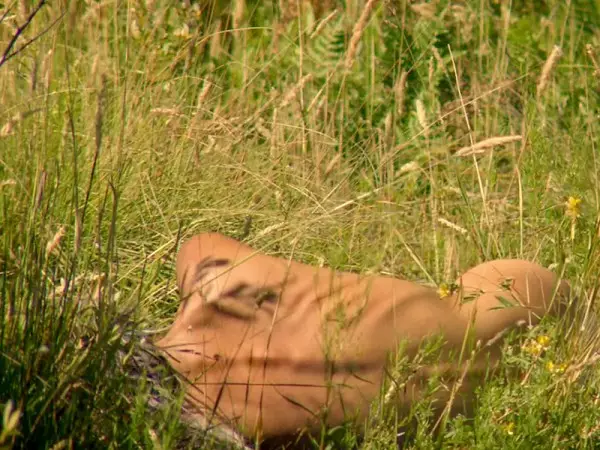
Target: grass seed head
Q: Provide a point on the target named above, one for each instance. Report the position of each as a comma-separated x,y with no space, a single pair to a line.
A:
547,69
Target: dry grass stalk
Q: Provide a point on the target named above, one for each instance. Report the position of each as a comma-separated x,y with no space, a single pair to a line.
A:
400,91
54,243
422,116
450,258
9,127
438,57
64,132
358,31
431,73
452,225
95,67
23,10
388,129
332,164
323,24
482,146
7,183
274,134
214,46
291,95
589,50
238,14
547,69
78,230
426,10
11,81
206,87
174,112
262,130
270,229
134,29
412,166
200,109
33,76
73,14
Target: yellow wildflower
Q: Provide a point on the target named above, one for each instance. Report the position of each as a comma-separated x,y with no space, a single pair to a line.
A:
573,207
555,368
509,428
537,346
543,341
444,290
533,348
447,289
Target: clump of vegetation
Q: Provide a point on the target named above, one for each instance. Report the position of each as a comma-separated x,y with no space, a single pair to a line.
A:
449,132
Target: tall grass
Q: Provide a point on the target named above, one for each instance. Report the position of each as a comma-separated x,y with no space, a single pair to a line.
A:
448,133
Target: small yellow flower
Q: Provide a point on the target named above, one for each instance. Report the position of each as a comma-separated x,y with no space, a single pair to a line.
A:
509,428
537,346
447,289
444,290
573,207
543,341
533,348
555,368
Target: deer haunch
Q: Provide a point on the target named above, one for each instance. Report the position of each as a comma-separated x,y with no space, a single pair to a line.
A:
274,347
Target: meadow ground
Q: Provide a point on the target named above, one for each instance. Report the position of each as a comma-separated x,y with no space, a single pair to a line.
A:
404,138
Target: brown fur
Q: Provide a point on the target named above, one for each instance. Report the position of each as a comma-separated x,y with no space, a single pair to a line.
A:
274,347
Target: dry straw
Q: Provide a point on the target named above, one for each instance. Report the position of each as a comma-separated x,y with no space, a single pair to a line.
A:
55,241
9,127
238,13
23,10
7,183
547,69
33,76
452,225
333,163
200,106
399,92
358,31
412,166
291,94
438,57
589,50
426,10
203,95
47,69
324,23
388,128
422,116
173,112
486,144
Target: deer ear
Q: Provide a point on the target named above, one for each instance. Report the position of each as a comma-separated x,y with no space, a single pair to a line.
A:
214,286
185,282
